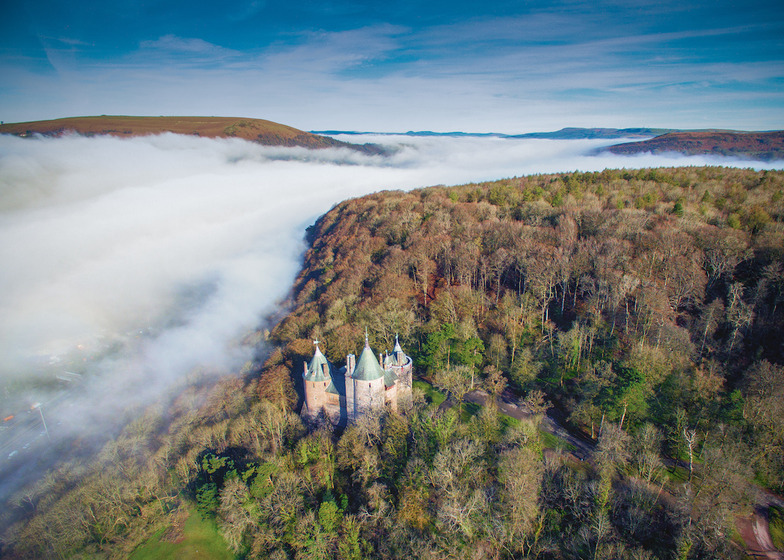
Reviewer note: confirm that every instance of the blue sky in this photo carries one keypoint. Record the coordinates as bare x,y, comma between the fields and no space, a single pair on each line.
507,66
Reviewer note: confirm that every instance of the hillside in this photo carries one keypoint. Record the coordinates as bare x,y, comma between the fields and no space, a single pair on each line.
645,305
264,132
761,146
572,133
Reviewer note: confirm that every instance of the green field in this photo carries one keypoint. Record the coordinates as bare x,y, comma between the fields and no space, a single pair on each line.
777,527
200,541
552,441
433,395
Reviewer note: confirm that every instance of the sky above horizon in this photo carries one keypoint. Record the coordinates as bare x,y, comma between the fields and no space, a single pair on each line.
505,66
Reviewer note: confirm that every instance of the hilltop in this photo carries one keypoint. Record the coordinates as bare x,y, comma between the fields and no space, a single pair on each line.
572,133
762,146
569,133
264,132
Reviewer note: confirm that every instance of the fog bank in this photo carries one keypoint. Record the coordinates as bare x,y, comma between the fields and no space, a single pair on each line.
134,261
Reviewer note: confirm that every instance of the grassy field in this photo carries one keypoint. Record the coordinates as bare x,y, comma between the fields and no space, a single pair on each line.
507,421
199,540
433,395
678,474
777,527
552,441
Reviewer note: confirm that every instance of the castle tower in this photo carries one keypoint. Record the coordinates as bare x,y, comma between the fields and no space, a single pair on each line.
368,383
402,365
317,377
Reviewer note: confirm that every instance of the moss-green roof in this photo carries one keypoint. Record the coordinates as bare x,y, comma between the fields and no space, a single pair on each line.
315,368
368,368
389,378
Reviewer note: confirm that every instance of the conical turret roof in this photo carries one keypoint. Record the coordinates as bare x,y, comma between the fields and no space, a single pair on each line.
368,367
316,367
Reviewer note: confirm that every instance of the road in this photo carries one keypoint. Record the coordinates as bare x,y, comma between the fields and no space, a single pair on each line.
512,406
20,435
26,430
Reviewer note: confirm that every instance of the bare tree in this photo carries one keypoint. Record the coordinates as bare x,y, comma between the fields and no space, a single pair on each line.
520,474
723,251
739,313
646,453
711,315
456,380
614,448
236,513
494,381
689,438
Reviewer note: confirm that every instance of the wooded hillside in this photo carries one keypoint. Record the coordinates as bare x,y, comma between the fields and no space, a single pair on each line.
646,305
759,146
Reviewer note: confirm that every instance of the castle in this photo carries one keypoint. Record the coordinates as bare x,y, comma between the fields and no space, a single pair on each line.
361,385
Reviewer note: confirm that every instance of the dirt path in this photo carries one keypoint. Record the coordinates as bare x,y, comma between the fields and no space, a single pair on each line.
510,405
756,534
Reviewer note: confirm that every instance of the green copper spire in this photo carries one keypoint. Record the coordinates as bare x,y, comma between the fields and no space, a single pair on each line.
315,371
368,367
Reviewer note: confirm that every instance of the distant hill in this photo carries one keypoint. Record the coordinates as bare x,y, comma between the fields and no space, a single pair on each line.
570,133
409,133
262,131
453,133
762,146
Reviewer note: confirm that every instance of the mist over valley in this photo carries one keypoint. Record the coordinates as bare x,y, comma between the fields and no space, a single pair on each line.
133,263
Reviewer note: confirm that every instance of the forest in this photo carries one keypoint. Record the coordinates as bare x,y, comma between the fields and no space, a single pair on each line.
642,308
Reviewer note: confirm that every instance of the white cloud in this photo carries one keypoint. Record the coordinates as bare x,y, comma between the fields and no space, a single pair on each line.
330,52
174,44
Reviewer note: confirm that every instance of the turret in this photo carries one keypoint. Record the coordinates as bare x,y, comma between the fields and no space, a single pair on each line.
368,381
317,376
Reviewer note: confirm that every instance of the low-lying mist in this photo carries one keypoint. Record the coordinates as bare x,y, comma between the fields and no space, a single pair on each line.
132,262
